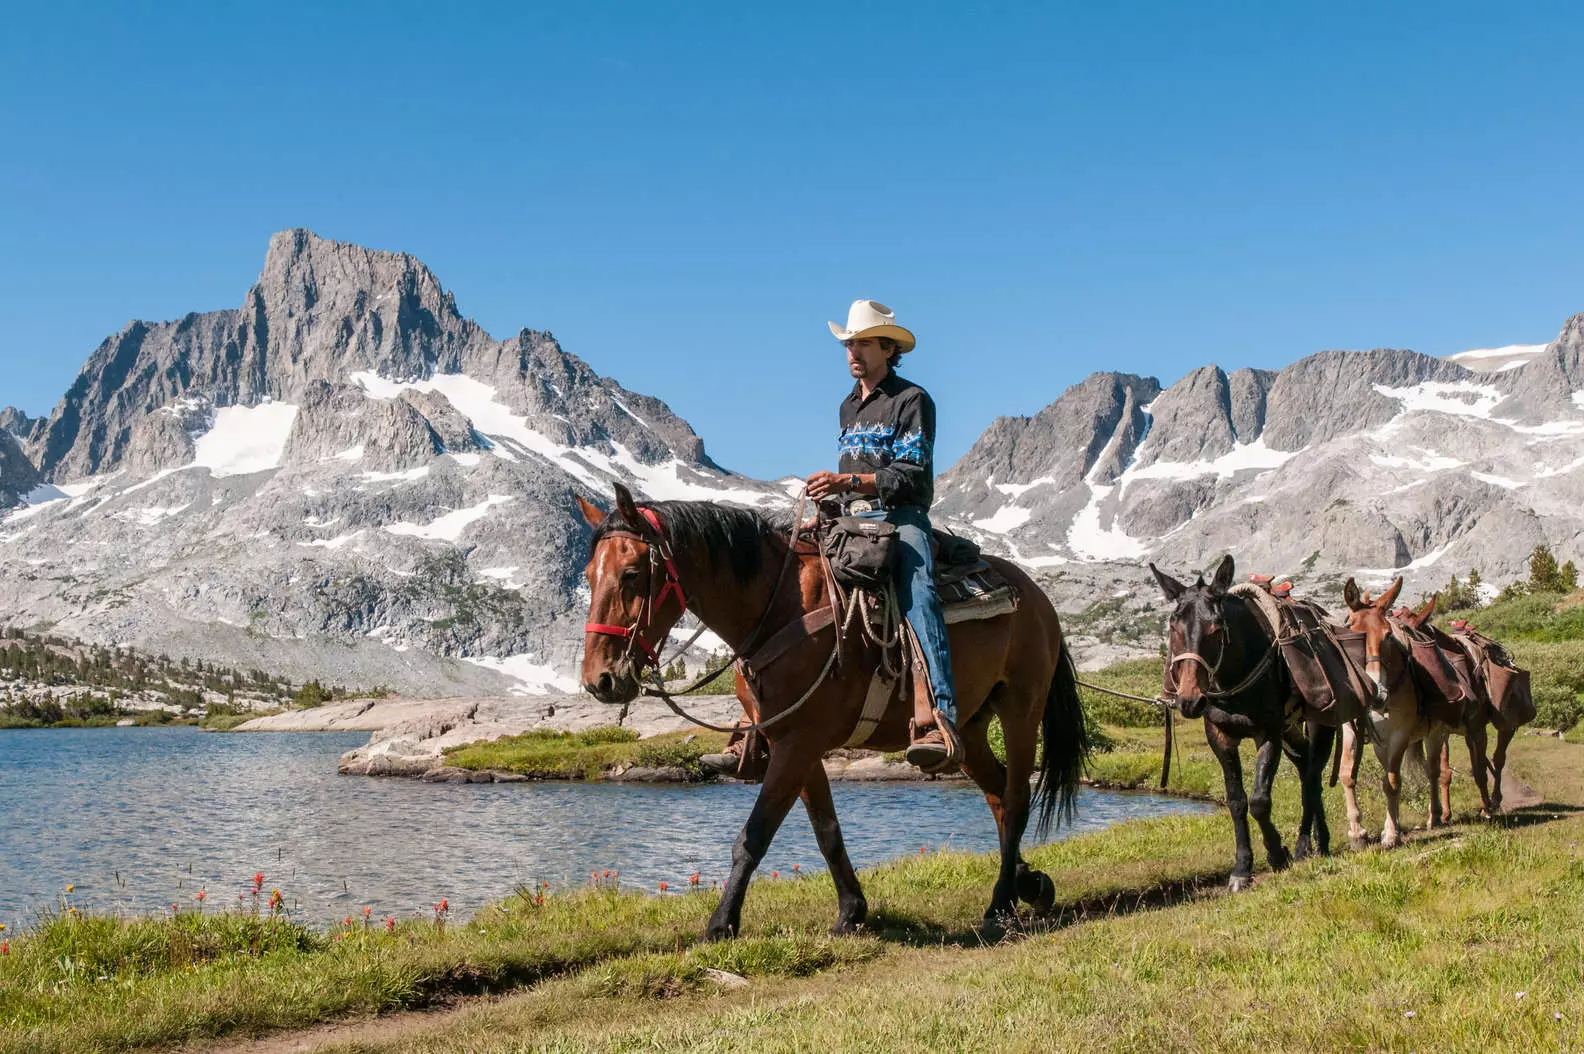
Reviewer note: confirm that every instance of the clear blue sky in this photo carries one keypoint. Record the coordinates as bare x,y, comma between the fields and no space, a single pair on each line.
683,194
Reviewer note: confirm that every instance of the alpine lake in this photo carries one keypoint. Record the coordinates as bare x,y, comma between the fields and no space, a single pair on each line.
140,820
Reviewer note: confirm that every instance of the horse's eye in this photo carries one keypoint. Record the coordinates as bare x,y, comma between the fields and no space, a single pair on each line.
629,574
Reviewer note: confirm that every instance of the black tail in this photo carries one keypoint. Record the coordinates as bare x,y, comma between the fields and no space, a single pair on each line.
1066,751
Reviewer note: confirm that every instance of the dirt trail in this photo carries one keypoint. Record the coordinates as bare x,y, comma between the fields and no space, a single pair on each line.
381,1029
1516,794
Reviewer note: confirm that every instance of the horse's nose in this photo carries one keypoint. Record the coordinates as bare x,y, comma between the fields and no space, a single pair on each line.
604,688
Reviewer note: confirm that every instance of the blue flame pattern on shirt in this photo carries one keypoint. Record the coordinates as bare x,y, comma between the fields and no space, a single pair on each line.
911,447
881,443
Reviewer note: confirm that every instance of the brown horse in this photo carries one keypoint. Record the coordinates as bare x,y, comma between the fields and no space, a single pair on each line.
1416,717
730,567
1490,714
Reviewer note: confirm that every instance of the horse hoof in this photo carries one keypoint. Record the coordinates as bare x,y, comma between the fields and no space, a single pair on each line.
1302,852
1390,842
1238,883
998,921
717,932
1280,860
1035,889
849,923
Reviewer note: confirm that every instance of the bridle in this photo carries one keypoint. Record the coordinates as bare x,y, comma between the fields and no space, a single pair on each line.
1380,665
1216,692
660,563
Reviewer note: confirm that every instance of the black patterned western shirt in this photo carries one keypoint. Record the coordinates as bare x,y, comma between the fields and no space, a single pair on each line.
892,434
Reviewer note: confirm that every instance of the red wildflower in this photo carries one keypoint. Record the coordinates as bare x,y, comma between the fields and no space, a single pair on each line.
664,886
797,867
5,947
775,874
693,879
390,923
202,895
367,911
258,881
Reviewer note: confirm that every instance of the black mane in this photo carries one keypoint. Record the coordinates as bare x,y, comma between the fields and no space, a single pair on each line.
730,536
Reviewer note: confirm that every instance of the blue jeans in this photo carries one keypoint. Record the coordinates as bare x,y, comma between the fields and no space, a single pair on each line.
918,601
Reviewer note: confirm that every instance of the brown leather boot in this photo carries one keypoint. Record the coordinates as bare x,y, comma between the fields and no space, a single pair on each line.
936,748
745,758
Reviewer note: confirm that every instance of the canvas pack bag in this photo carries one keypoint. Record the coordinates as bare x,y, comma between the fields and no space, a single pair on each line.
1506,684
862,553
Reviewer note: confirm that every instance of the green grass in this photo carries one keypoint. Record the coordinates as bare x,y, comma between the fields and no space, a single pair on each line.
1136,677
1330,955
225,721
585,755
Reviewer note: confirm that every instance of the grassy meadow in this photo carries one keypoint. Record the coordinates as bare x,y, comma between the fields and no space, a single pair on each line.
1467,937
1425,947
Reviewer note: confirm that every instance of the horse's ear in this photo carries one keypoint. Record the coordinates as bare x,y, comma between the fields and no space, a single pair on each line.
1384,601
627,509
1169,585
1223,575
1422,616
591,512
1350,595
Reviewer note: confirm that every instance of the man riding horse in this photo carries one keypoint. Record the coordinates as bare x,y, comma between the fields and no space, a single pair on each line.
885,470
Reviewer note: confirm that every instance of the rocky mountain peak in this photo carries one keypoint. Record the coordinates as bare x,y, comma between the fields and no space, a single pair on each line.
18,424
324,313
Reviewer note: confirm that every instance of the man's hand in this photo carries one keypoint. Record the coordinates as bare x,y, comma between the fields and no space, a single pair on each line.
823,484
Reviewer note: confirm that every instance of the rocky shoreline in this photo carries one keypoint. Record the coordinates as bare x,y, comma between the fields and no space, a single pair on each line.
409,737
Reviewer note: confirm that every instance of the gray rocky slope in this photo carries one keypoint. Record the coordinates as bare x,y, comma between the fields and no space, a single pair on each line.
344,478
1370,463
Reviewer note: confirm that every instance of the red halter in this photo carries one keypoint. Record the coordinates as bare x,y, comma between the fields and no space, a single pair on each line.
659,557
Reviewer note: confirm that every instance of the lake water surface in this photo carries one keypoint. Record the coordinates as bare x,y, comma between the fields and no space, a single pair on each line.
140,818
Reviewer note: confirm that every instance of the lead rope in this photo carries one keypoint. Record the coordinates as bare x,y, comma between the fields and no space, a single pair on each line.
659,691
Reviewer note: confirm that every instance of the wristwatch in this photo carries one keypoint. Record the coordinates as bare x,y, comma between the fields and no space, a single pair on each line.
852,482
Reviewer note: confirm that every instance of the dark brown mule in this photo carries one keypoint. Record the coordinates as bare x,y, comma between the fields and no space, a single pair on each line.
1221,664
1426,701
726,565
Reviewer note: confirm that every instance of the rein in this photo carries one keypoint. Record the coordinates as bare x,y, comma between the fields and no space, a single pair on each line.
1261,668
660,556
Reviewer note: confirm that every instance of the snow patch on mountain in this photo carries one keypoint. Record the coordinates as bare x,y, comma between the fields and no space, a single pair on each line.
1424,461
1243,457
665,482
492,418
1457,398
1006,518
1017,490
245,439
449,527
1498,360
1091,541
532,677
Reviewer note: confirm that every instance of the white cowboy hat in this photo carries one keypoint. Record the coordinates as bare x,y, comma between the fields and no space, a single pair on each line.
870,318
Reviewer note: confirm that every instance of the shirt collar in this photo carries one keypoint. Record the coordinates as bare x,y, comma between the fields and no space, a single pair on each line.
889,387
